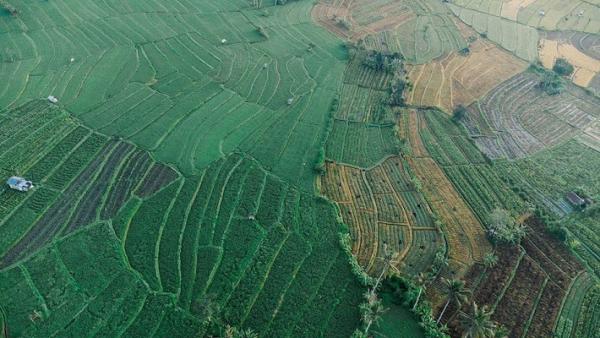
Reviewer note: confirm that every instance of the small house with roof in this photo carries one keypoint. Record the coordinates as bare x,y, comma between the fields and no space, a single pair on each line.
19,183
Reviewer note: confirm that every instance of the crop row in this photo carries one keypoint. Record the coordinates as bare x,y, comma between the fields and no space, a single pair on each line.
361,144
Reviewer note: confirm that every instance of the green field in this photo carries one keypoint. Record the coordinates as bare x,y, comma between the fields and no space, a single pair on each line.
145,73
135,247
212,166
429,34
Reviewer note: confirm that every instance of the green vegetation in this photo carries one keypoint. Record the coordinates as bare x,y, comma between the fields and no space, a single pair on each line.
361,144
551,83
233,234
562,67
470,172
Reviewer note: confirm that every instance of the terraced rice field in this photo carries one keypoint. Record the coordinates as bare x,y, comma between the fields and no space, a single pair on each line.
382,207
520,39
575,15
458,79
517,119
361,144
549,175
578,315
465,166
421,30
145,73
233,232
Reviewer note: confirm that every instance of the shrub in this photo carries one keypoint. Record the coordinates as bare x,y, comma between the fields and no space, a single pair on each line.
458,113
562,67
396,93
383,62
551,83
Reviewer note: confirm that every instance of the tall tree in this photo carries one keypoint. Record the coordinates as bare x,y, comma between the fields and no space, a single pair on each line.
490,260
478,323
456,292
371,311
420,281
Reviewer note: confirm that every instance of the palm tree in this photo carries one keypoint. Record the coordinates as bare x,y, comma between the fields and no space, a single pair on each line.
490,260
455,291
478,323
420,280
233,332
371,310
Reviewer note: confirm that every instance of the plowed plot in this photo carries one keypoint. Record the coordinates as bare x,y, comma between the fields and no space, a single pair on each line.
534,281
381,206
421,30
461,79
517,119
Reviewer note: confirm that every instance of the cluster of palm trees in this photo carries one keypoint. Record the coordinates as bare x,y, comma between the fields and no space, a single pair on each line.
477,323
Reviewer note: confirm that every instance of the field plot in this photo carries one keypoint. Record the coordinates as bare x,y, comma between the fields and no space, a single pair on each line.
517,119
364,94
534,278
553,15
515,37
156,73
458,79
421,30
464,165
547,176
464,233
581,50
128,235
579,316
361,144
381,206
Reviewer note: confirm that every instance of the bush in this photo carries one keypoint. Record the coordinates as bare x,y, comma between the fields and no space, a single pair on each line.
551,83
563,68
396,93
458,113
383,62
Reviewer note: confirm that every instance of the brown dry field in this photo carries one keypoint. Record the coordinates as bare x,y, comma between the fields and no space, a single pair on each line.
586,67
467,242
372,204
365,17
460,80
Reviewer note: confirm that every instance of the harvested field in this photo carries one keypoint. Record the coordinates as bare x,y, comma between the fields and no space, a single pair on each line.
467,242
510,8
586,67
381,206
458,79
421,30
517,38
551,15
517,119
